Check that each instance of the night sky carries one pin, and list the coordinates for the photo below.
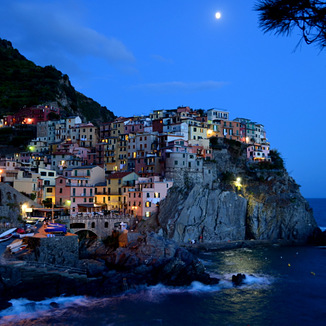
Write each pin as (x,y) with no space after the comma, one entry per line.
(136,56)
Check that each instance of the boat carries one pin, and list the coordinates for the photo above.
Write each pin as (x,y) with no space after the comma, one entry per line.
(56,225)
(30,234)
(19,249)
(15,243)
(56,229)
(7,234)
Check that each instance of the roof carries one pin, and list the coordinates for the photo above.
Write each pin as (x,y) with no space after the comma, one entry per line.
(89,205)
(82,167)
(118,175)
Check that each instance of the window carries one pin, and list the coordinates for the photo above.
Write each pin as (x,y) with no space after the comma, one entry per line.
(175,162)
(148,214)
(60,181)
(60,190)
(148,204)
(43,174)
(51,174)
(48,189)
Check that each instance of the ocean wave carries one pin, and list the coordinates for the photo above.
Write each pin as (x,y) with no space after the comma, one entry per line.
(27,309)
(206,262)
(23,309)
(255,281)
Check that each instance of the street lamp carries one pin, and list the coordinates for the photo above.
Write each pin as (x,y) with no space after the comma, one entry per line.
(24,207)
(237,183)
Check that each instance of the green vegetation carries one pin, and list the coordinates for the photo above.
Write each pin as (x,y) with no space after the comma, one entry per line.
(47,203)
(215,143)
(22,83)
(112,241)
(228,177)
(14,139)
(277,162)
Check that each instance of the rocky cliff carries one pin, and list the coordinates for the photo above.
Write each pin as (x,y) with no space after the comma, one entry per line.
(265,203)
(11,201)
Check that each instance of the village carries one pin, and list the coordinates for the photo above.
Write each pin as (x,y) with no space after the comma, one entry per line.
(125,166)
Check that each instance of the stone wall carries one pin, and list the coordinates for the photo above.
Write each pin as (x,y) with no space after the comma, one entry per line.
(59,250)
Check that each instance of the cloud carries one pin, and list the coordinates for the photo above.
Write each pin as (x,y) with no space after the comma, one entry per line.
(159,58)
(175,86)
(49,28)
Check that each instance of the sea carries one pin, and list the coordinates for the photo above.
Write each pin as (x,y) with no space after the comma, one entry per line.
(283,286)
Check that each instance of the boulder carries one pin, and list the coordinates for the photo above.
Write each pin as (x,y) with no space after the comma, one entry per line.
(238,279)
(153,260)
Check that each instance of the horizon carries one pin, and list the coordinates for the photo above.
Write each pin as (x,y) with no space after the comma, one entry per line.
(137,57)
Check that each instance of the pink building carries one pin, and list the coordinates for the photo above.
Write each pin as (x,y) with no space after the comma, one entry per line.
(134,126)
(258,152)
(62,192)
(143,199)
(78,189)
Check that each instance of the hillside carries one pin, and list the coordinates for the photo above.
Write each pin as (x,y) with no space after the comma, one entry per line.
(22,83)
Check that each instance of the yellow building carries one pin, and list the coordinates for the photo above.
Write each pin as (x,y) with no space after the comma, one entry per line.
(196,132)
(101,194)
(117,185)
(87,134)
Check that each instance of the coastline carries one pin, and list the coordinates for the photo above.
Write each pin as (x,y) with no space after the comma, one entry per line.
(141,263)
(229,245)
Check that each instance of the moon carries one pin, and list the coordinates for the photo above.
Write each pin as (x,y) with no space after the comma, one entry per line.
(218,15)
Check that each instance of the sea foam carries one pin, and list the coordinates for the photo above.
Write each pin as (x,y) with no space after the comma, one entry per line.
(26,309)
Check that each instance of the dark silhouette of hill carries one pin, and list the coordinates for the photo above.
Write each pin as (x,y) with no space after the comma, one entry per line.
(22,83)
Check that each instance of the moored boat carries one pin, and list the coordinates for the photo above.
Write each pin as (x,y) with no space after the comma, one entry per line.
(31,234)
(7,234)
(19,249)
(56,229)
(15,243)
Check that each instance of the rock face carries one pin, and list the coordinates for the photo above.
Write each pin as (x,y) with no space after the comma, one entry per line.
(267,205)
(158,260)
(208,214)
(10,203)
